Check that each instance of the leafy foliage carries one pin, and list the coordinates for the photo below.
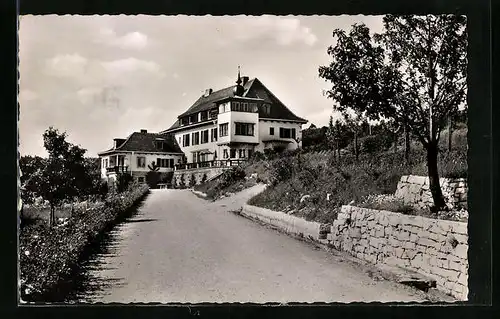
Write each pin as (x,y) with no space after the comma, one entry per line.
(123,181)
(413,74)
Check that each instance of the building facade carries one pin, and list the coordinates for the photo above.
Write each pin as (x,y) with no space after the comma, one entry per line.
(229,125)
(137,153)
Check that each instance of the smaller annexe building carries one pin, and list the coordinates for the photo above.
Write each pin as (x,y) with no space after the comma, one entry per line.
(137,153)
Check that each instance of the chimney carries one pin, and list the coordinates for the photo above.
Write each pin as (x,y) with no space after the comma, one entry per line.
(144,131)
(245,80)
(208,92)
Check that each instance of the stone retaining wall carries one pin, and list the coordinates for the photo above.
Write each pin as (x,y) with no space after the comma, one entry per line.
(414,190)
(435,248)
(288,223)
(198,173)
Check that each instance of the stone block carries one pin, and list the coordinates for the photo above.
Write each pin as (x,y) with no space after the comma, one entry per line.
(459,228)
(372,232)
(414,238)
(371,224)
(404,235)
(394,242)
(355,232)
(383,220)
(410,253)
(448,274)
(359,248)
(455,266)
(398,252)
(460,251)
(409,245)
(463,279)
(394,220)
(462,239)
(388,231)
(443,263)
(431,251)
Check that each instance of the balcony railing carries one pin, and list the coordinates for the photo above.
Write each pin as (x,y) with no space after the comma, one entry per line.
(117,169)
(213,163)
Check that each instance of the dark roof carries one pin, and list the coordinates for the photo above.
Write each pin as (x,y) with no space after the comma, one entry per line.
(253,89)
(145,142)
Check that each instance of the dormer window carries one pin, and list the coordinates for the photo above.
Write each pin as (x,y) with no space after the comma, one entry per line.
(266,108)
(159,145)
(204,116)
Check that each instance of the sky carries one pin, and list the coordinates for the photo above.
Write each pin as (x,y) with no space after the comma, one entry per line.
(103,77)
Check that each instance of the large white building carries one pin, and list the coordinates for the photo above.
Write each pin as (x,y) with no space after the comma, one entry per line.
(136,153)
(230,124)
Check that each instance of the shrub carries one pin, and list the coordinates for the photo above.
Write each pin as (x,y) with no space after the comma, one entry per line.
(204,178)
(192,180)
(231,176)
(103,189)
(281,170)
(123,181)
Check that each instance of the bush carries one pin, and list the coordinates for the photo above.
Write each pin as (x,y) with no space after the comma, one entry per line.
(123,181)
(103,189)
(204,178)
(192,180)
(49,256)
(231,176)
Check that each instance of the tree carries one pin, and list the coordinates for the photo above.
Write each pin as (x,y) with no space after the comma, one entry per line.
(413,73)
(330,135)
(153,176)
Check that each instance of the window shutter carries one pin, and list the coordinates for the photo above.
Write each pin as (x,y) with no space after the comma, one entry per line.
(293,133)
(282,132)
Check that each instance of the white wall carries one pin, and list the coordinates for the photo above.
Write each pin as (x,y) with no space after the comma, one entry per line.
(187,150)
(131,161)
(264,126)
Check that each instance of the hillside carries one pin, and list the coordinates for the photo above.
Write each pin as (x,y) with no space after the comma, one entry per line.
(292,175)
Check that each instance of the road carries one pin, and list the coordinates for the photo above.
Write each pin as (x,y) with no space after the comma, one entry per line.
(183,249)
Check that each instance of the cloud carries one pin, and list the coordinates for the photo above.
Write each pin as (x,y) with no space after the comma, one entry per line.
(132,40)
(284,31)
(66,65)
(128,65)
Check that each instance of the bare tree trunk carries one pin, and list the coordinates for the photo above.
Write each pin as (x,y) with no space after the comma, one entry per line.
(435,188)
(52,216)
(356,153)
(450,133)
(407,145)
(395,148)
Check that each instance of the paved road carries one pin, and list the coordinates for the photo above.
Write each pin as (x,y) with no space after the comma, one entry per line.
(181,248)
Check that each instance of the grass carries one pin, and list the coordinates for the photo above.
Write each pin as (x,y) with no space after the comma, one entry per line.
(350,181)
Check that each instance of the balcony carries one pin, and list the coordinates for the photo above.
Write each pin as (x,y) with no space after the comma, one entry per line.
(117,169)
(208,164)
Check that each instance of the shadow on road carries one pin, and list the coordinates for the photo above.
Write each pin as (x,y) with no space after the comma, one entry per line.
(143,220)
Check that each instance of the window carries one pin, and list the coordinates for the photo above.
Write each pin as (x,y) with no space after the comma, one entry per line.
(245,129)
(141,161)
(253,107)
(233,153)
(106,162)
(287,132)
(159,145)
(214,135)
(250,153)
(204,136)
(193,118)
(242,153)
(204,115)
(224,129)
(215,154)
(141,179)
(196,138)
(164,162)
(171,163)
(271,131)
(226,154)
(185,140)
(266,109)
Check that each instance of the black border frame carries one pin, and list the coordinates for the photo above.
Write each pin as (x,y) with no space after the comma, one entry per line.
(481,156)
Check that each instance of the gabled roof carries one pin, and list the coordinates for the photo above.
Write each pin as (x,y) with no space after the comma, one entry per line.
(253,89)
(145,142)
